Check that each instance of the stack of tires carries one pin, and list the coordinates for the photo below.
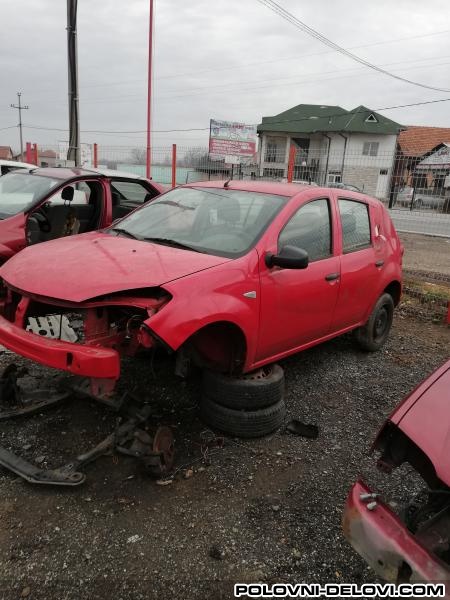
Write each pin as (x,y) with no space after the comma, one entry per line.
(248,406)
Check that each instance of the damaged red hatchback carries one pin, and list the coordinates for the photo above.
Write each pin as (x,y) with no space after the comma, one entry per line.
(231,276)
(413,546)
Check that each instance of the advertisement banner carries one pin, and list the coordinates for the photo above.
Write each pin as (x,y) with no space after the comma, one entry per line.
(228,138)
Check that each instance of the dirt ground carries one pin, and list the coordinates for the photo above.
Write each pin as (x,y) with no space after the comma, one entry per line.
(267,509)
(426,253)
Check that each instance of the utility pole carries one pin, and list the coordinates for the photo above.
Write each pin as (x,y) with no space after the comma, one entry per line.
(73,152)
(149,93)
(20,109)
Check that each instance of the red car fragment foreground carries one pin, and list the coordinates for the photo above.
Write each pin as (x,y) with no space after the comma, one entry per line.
(414,545)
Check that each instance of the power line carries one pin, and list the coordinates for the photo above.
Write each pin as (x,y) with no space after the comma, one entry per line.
(137,131)
(284,14)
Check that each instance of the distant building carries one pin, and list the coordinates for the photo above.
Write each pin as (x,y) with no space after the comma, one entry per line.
(46,158)
(333,145)
(6,153)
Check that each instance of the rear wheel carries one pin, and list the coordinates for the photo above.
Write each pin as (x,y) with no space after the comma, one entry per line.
(375,332)
(243,423)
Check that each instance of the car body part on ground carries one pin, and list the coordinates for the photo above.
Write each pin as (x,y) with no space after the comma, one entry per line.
(243,423)
(414,544)
(41,204)
(233,279)
(155,452)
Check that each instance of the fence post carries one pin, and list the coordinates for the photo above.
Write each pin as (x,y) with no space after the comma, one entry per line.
(29,156)
(174,165)
(95,156)
(290,173)
(35,155)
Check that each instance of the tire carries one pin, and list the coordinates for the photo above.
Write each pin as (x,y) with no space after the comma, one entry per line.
(242,423)
(372,336)
(252,391)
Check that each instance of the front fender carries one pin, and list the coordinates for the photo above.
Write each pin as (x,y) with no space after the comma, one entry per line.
(211,296)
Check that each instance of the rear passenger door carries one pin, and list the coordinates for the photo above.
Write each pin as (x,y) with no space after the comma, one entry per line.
(360,265)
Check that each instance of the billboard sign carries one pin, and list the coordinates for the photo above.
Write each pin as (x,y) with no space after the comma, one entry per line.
(228,138)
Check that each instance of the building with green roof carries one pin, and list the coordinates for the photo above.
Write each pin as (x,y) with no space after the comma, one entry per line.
(333,145)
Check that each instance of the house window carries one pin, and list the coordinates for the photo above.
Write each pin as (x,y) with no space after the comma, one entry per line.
(371,119)
(334,177)
(274,173)
(275,150)
(370,148)
(383,171)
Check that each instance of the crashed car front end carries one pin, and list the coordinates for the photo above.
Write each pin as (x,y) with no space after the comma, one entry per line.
(85,339)
(411,544)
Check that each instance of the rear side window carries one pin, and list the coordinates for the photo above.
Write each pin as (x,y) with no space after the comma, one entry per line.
(310,229)
(355,225)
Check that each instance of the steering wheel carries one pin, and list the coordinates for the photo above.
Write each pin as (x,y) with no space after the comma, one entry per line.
(44,224)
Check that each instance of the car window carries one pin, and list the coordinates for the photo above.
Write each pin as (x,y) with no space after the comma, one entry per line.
(81,194)
(310,229)
(21,190)
(217,221)
(355,225)
(126,192)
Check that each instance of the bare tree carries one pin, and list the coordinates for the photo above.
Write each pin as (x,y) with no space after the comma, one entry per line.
(138,156)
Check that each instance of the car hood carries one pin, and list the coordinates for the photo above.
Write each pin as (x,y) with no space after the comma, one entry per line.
(83,267)
(424,416)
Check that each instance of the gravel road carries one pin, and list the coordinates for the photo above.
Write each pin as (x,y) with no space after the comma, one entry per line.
(267,509)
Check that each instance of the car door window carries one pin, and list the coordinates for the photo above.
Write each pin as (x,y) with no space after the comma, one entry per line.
(355,225)
(310,229)
(128,195)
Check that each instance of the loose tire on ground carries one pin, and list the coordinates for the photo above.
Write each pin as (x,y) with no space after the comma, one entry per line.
(242,423)
(251,391)
(374,333)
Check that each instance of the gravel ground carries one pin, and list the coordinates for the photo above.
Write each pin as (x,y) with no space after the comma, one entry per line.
(266,509)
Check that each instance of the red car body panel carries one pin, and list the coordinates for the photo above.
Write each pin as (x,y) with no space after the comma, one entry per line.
(283,311)
(114,264)
(381,538)
(13,229)
(378,535)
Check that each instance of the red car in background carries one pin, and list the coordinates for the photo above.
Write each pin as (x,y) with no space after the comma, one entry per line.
(42,204)
(414,545)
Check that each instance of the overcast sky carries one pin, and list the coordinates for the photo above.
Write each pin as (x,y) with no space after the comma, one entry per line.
(227,59)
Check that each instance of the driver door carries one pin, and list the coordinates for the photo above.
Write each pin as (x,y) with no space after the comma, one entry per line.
(297,305)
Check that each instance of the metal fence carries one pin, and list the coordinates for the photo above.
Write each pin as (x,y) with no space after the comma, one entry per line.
(415,189)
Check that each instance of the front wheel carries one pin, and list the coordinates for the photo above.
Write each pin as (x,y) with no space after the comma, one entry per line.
(374,333)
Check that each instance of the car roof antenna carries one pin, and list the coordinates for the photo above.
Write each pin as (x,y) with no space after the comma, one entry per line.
(227,182)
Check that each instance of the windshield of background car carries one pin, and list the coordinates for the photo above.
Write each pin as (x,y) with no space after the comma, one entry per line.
(19,191)
(211,220)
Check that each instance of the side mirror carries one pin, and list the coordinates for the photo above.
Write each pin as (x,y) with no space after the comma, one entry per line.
(290,257)
(67,193)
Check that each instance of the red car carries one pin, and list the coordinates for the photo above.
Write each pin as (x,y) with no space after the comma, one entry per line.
(37,205)
(229,275)
(414,545)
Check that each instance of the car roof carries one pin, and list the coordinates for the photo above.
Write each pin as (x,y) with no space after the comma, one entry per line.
(280,189)
(76,172)
(17,164)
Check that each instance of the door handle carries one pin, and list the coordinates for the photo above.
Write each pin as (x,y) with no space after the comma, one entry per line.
(379,263)
(331,276)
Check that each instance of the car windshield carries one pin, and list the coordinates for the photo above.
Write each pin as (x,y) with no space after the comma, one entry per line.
(19,191)
(211,220)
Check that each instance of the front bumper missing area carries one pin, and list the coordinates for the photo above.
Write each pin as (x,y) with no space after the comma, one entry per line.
(380,537)
(80,359)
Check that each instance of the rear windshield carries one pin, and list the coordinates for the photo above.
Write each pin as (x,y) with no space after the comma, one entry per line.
(210,220)
(19,191)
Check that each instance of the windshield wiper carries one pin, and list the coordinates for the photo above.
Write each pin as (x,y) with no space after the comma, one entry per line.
(128,233)
(169,242)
